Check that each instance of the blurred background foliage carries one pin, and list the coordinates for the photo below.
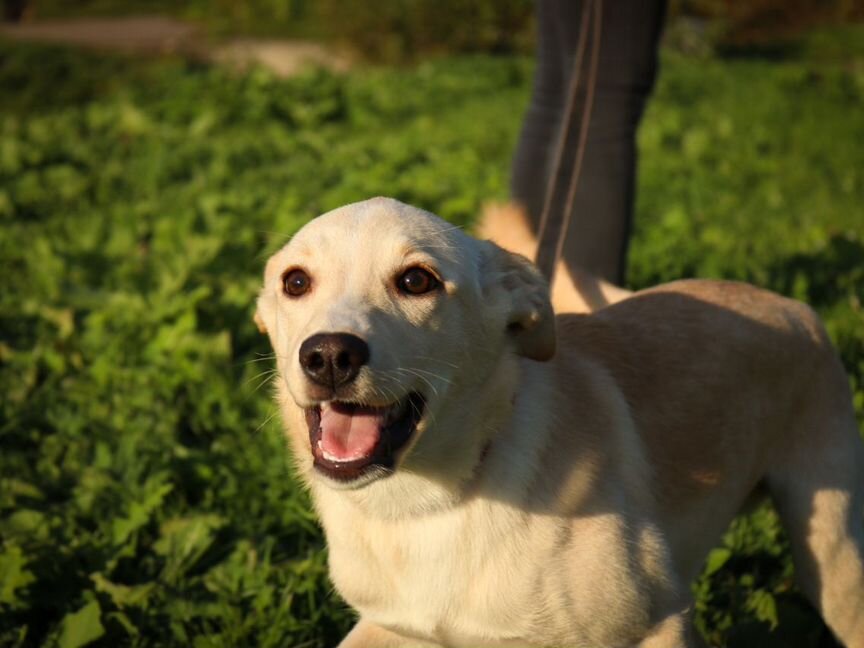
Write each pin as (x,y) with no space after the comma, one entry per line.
(399,30)
(146,496)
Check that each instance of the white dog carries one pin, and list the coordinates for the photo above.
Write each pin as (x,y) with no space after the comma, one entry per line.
(490,475)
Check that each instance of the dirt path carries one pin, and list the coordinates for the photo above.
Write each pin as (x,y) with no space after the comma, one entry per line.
(157,35)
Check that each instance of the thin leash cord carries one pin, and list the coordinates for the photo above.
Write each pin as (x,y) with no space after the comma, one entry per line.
(583,134)
(546,261)
(544,243)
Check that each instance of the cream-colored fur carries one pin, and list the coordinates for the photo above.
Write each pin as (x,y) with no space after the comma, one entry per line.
(561,497)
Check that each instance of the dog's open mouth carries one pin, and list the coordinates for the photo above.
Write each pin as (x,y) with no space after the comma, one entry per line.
(350,439)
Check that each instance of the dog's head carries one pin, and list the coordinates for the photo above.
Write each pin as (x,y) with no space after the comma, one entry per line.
(390,326)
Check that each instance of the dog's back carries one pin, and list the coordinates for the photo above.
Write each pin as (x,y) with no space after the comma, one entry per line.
(731,386)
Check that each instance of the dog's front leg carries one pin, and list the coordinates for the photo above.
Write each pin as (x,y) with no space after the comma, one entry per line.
(675,631)
(368,635)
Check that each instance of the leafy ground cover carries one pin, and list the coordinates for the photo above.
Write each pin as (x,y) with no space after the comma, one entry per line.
(146,496)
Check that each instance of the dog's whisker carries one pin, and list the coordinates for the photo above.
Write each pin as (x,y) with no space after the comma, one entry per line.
(262,383)
(263,357)
(267,373)
(452,227)
(439,360)
(385,393)
(421,377)
(254,360)
(266,421)
(390,374)
(439,246)
(434,375)
(393,391)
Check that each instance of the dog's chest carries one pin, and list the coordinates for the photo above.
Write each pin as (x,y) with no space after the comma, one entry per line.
(434,578)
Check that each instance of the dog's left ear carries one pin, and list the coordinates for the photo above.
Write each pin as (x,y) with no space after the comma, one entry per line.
(530,320)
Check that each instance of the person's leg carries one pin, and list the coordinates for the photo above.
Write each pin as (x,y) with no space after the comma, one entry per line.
(599,227)
(533,159)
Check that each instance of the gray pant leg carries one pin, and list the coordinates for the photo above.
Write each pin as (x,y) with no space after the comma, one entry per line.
(600,221)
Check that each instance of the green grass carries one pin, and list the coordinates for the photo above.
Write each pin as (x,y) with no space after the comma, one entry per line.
(146,496)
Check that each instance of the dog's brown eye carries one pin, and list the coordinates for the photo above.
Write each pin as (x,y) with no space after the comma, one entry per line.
(416,281)
(296,282)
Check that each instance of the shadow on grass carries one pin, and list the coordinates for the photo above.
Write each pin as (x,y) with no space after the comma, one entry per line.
(798,625)
(784,50)
(825,276)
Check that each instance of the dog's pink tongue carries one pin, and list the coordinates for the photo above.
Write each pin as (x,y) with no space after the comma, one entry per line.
(349,432)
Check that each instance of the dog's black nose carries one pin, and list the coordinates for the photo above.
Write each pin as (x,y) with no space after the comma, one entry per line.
(333,359)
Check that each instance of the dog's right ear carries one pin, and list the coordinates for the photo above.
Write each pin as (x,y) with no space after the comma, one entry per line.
(259,321)
(265,305)
(529,318)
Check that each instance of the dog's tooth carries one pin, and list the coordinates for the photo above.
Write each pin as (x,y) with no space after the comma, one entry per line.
(328,456)
(335,459)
